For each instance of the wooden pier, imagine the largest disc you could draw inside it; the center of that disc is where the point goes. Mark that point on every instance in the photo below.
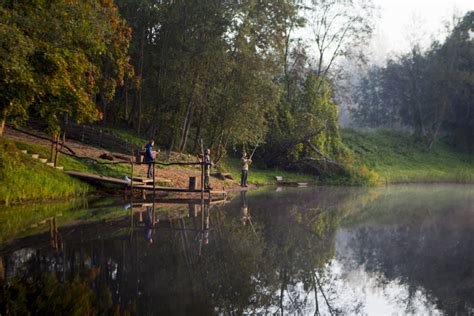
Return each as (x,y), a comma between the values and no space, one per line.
(138,185)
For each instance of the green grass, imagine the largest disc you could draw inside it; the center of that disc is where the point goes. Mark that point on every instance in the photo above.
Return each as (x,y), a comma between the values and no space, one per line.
(24,178)
(261,176)
(399,157)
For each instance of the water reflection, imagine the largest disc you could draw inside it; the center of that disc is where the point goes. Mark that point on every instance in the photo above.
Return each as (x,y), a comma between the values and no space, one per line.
(297,251)
(423,244)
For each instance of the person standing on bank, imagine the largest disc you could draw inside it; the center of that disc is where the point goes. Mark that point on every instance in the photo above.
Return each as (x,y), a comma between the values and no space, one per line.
(207,169)
(149,158)
(245,169)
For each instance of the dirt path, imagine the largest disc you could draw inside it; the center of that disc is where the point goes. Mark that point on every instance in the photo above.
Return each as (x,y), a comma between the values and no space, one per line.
(179,176)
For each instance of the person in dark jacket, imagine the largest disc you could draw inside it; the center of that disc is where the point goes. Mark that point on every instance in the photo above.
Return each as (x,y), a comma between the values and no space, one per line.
(149,158)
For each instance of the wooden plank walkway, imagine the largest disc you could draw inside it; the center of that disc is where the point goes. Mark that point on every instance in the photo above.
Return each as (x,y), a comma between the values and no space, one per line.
(159,202)
(149,180)
(137,185)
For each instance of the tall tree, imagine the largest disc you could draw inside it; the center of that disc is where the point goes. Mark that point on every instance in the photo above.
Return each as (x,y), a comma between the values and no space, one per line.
(340,29)
(70,52)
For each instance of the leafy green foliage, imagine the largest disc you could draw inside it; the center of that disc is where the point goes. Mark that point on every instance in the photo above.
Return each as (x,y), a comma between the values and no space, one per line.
(206,70)
(216,71)
(59,55)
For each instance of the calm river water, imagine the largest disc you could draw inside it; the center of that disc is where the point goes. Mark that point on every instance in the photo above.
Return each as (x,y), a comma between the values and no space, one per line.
(394,250)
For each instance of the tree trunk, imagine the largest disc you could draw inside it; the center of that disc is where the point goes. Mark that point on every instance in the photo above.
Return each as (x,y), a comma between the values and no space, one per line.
(103,102)
(187,117)
(3,118)
(198,131)
(286,57)
(282,289)
(187,124)
(140,74)
(2,126)
(126,101)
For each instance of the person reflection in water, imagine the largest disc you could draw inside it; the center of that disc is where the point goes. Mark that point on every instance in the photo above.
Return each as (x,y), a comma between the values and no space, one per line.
(149,223)
(206,230)
(203,235)
(244,207)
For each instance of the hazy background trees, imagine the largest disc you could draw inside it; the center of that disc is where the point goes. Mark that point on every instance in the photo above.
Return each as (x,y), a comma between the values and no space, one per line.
(430,92)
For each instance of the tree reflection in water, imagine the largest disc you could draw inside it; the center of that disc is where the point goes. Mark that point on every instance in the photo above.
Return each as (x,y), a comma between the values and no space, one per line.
(282,260)
(421,237)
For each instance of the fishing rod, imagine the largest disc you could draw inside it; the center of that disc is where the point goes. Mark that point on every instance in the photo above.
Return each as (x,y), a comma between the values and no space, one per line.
(253,152)
(251,225)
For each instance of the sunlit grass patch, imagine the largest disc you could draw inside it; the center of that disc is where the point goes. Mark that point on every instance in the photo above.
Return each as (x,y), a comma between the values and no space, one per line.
(399,157)
(24,178)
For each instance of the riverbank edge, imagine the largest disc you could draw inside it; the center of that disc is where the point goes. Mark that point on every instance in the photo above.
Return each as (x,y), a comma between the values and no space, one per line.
(399,157)
(444,173)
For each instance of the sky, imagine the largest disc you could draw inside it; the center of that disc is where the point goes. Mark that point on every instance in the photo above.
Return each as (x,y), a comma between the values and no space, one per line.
(402,22)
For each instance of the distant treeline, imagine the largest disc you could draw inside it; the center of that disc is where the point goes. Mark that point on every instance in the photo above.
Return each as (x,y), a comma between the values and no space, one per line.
(430,91)
(225,72)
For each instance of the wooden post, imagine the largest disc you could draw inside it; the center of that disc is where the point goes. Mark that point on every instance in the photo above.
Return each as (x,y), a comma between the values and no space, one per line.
(154,196)
(131,179)
(51,232)
(191,210)
(192,183)
(153,182)
(55,230)
(202,170)
(63,140)
(2,270)
(52,149)
(56,150)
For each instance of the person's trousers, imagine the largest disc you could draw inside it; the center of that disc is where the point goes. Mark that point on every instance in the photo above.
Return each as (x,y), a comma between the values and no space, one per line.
(149,173)
(243,179)
(206,182)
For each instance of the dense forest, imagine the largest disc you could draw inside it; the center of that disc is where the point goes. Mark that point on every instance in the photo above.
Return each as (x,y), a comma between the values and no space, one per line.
(228,75)
(427,91)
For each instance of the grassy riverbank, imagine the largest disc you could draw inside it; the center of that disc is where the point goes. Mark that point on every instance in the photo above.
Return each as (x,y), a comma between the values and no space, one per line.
(395,156)
(398,157)
(24,178)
